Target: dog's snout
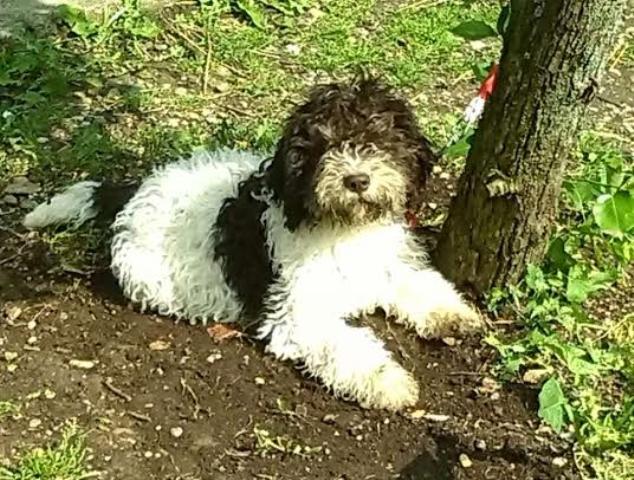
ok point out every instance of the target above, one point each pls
(357, 183)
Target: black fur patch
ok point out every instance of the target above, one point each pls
(110, 198)
(240, 246)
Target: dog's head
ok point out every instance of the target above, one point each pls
(351, 154)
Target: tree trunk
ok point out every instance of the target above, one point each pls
(501, 219)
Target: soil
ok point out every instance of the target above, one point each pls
(150, 376)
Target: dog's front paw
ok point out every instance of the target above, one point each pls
(451, 320)
(390, 387)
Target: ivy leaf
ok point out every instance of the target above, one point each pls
(474, 30)
(580, 193)
(552, 402)
(76, 20)
(582, 284)
(614, 214)
(461, 147)
(558, 256)
(252, 11)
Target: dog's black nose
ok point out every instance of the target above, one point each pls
(357, 183)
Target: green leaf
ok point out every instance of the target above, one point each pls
(582, 284)
(558, 256)
(76, 20)
(460, 148)
(252, 11)
(581, 193)
(474, 30)
(552, 402)
(614, 214)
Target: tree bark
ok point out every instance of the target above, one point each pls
(501, 219)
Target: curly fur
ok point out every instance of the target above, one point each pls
(287, 246)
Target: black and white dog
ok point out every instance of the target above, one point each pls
(294, 245)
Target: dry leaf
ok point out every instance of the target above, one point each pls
(221, 332)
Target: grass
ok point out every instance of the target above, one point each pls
(8, 409)
(577, 341)
(64, 461)
(117, 94)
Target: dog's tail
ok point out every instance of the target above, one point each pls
(80, 203)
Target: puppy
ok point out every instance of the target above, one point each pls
(292, 246)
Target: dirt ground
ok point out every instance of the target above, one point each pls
(164, 401)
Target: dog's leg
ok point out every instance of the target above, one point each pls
(423, 299)
(350, 361)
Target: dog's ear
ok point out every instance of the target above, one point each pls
(425, 159)
(304, 140)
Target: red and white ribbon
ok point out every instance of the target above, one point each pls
(474, 110)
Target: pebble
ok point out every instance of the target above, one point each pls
(49, 394)
(82, 364)
(259, 381)
(148, 454)
(159, 345)
(214, 357)
(480, 445)
(434, 417)
(329, 418)
(465, 461)
(10, 200)
(21, 186)
(36, 422)
(450, 341)
(560, 462)
(12, 368)
(535, 375)
(417, 414)
(176, 432)
(10, 356)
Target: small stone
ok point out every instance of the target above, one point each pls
(21, 186)
(10, 200)
(34, 423)
(10, 356)
(359, 438)
(176, 432)
(329, 418)
(31, 325)
(148, 454)
(14, 313)
(480, 445)
(437, 169)
(417, 414)
(293, 49)
(31, 340)
(82, 364)
(444, 176)
(159, 345)
(465, 461)
(535, 375)
(49, 394)
(259, 381)
(214, 357)
(560, 462)
(12, 367)
(434, 417)
(63, 316)
(432, 205)
(451, 341)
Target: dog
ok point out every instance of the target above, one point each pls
(293, 246)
